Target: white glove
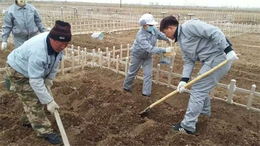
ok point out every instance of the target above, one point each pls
(48, 82)
(169, 49)
(232, 56)
(4, 45)
(52, 106)
(180, 87)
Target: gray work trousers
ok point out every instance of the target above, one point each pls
(19, 40)
(199, 102)
(134, 67)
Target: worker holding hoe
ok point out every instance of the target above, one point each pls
(202, 42)
(23, 20)
(30, 71)
(142, 51)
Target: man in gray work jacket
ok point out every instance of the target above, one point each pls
(22, 19)
(30, 70)
(202, 42)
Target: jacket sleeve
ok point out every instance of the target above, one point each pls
(145, 45)
(7, 26)
(187, 67)
(35, 72)
(203, 30)
(161, 36)
(38, 21)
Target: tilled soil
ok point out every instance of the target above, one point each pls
(95, 111)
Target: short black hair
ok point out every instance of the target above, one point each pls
(167, 21)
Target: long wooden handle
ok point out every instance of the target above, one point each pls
(190, 83)
(59, 123)
(61, 128)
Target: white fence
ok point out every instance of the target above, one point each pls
(117, 60)
(92, 18)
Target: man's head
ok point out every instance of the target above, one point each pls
(168, 26)
(21, 3)
(60, 35)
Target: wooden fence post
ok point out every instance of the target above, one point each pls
(79, 54)
(251, 96)
(109, 60)
(232, 88)
(121, 52)
(211, 94)
(93, 58)
(114, 52)
(82, 60)
(117, 63)
(101, 60)
(107, 51)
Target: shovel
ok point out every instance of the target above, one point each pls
(59, 123)
(145, 112)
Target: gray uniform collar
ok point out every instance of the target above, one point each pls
(147, 33)
(179, 30)
(17, 7)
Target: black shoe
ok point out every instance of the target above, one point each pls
(182, 130)
(146, 95)
(53, 138)
(127, 90)
(27, 125)
(207, 115)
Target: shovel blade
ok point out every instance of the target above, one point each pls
(145, 112)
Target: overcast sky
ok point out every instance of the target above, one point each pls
(226, 3)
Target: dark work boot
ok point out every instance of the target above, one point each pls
(146, 95)
(181, 129)
(25, 121)
(27, 125)
(53, 138)
(127, 90)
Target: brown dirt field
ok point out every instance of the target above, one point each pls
(110, 39)
(95, 111)
(245, 71)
